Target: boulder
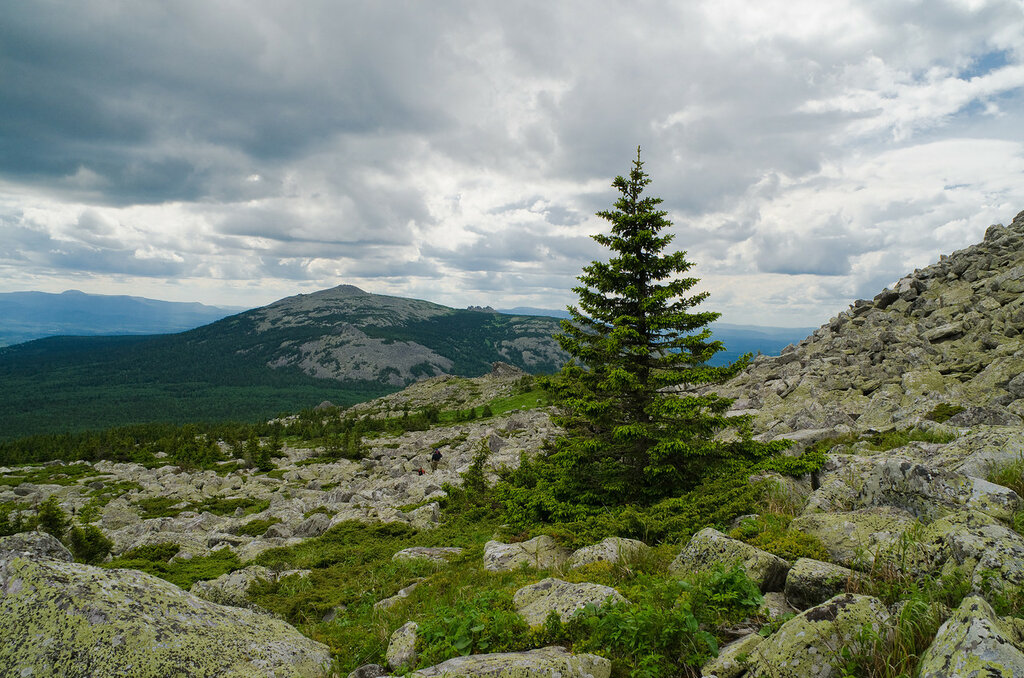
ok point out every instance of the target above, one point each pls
(401, 650)
(810, 643)
(992, 551)
(76, 621)
(434, 554)
(232, 588)
(733, 659)
(34, 545)
(397, 598)
(536, 601)
(313, 526)
(540, 552)
(709, 547)
(369, 671)
(972, 642)
(854, 538)
(612, 550)
(547, 661)
(811, 582)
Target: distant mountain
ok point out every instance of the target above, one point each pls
(341, 344)
(32, 315)
(738, 339)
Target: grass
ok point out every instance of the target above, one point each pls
(69, 474)
(156, 561)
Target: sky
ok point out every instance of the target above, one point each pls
(237, 152)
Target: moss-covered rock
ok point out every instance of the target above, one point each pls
(612, 550)
(709, 547)
(539, 552)
(993, 552)
(73, 620)
(972, 643)
(401, 650)
(536, 601)
(548, 661)
(810, 643)
(811, 582)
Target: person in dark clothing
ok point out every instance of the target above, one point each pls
(435, 459)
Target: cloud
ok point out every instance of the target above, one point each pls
(459, 151)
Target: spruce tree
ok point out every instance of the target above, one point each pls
(637, 429)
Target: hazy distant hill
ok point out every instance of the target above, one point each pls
(738, 339)
(32, 315)
(341, 344)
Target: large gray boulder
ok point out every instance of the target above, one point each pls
(78, 621)
(973, 642)
(709, 548)
(401, 650)
(547, 661)
(855, 538)
(540, 552)
(611, 550)
(34, 545)
(536, 601)
(811, 582)
(810, 643)
(991, 551)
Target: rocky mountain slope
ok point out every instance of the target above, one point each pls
(911, 546)
(341, 344)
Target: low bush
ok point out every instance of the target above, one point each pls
(257, 526)
(772, 533)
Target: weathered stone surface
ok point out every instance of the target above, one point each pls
(435, 554)
(539, 552)
(78, 621)
(976, 541)
(930, 493)
(811, 582)
(854, 538)
(231, 588)
(776, 605)
(369, 671)
(401, 650)
(34, 545)
(709, 547)
(313, 526)
(536, 601)
(973, 642)
(611, 550)
(733, 659)
(810, 643)
(548, 661)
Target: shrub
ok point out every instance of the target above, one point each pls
(51, 517)
(89, 544)
(256, 527)
(943, 412)
(11, 521)
(772, 533)
(487, 623)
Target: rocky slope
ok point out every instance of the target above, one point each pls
(950, 333)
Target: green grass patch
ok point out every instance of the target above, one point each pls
(68, 474)
(182, 573)
(257, 526)
(943, 412)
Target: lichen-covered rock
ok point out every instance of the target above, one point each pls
(78, 621)
(993, 552)
(313, 526)
(612, 550)
(930, 493)
(401, 650)
(811, 582)
(972, 643)
(369, 671)
(547, 661)
(34, 545)
(854, 538)
(810, 643)
(733, 659)
(540, 552)
(776, 605)
(434, 554)
(709, 547)
(536, 601)
(232, 588)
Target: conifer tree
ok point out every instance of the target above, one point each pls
(635, 339)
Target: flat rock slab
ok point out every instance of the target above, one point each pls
(436, 554)
(78, 621)
(536, 601)
(972, 643)
(547, 661)
(709, 548)
(540, 552)
(611, 550)
(854, 538)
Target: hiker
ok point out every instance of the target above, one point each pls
(435, 459)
